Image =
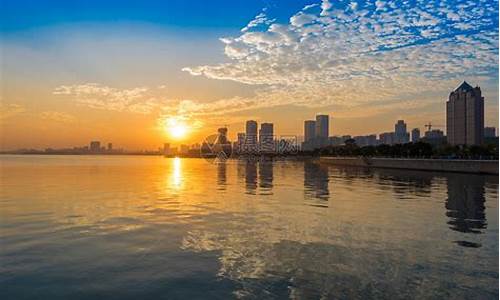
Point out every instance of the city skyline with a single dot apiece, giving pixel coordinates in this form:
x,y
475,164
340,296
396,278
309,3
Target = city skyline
x,y
142,76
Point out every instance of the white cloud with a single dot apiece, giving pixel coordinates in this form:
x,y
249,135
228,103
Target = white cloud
x,y
94,95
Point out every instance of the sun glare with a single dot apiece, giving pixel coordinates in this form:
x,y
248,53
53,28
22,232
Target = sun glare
x,y
176,128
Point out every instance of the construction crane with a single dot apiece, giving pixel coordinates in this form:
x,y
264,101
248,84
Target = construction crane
x,y
430,125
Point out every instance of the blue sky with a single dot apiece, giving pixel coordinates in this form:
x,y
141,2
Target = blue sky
x,y
207,63
199,14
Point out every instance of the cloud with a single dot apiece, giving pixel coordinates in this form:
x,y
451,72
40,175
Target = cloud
x,y
94,95
10,110
353,53
57,116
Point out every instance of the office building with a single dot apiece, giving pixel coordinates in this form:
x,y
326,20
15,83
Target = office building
x,y
266,137
322,126
251,132
415,135
309,130
110,147
401,136
465,116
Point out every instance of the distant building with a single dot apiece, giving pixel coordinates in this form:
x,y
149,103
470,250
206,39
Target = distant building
x,y
266,137
251,136
335,141
322,126
222,136
465,116
435,137
415,135
490,132
184,149
110,147
240,143
366,140
401,136
166,149
95,146
309,130
386,138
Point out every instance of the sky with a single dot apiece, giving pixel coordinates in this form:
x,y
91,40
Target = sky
x,y
127,71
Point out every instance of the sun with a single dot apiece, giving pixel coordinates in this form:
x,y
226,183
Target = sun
x,y
176,128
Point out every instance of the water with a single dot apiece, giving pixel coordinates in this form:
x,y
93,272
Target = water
x,y
131,227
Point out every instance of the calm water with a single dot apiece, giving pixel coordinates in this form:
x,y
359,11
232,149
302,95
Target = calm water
x,y
95,227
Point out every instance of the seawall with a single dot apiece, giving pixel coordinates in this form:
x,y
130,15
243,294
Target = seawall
x,y
440,165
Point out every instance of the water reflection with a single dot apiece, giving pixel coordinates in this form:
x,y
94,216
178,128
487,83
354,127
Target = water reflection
x,y
221,174
316,181
175,179
250,176
266,176
465,203
185,239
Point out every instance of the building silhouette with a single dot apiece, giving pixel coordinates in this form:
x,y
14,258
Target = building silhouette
x,y
465,116
415,135
309,130
251,144
322,126
266,137
95,146
401,136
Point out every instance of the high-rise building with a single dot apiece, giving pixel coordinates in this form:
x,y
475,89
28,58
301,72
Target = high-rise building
x,y
110,147
489,132
415,135
322,125
95,146
266,137
401,136
251,136
309,130
465,116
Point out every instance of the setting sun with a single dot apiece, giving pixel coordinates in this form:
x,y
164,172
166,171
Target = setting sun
x,y
175,128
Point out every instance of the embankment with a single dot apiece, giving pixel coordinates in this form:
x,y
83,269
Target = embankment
x,y
440,165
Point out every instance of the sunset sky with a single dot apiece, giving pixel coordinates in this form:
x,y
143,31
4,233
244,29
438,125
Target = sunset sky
x,y
124,71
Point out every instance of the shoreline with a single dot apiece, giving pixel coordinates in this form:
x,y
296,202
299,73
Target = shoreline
x,y
440,165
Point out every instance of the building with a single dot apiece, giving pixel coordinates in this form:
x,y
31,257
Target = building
x,y
309,130
251,142
336,141
95,146
366,140
415,135
465,116
401,136
184,149
322,126
266,137
110,147
166,149
240,142
387,138
222,136
490,132
435,137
